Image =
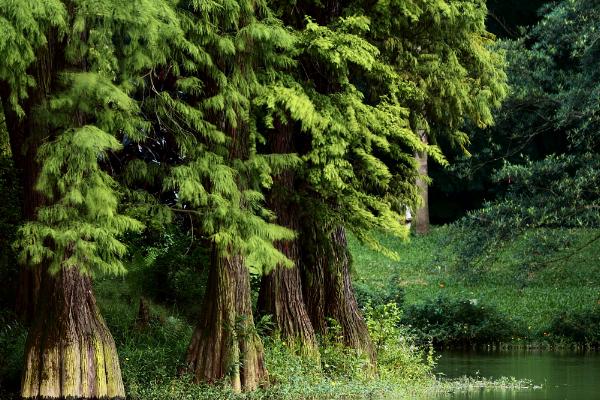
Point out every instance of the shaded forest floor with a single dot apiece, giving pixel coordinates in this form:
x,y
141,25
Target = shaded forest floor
x,y
547,296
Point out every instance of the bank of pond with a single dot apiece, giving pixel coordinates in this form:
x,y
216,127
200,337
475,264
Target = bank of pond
x,y
437,335
151,359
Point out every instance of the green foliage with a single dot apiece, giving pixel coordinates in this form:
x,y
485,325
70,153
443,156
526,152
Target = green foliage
x,y
371,78
580,327
542,158
355,146
171,270
339,361
151,358
530,280
399,356
212,78
203,109
442,51
12,345
80,105
367,293
24,30
82,227
459,322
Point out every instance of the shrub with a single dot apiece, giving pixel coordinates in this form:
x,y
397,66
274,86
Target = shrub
x,y
581,327
171,270
458,322
339,361
12,346
399,358
367,293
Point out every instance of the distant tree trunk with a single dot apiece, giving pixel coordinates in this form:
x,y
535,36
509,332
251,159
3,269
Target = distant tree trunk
x,y
142,320
421,217
328,289
281,290
225,344
70,352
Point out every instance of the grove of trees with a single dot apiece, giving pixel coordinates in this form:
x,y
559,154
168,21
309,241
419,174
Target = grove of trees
x,y
268,131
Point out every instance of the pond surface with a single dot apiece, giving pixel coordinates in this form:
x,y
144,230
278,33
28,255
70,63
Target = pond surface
x,y
563,376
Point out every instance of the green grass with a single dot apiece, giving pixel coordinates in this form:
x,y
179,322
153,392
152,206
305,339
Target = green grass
x,y
530,294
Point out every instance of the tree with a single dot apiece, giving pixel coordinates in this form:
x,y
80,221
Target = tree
x,y
202,107
281,289
554,96
66,74
348,100
352,149
442,51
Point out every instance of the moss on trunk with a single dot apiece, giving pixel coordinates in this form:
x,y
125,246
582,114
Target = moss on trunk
x,y
70,352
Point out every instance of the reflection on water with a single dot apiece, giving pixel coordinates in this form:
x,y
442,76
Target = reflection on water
x,y
563,376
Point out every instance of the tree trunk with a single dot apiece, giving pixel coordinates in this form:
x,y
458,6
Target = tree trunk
x,y
30,277
281,289
328,289
142,321
422,213
225,344
313,268
70,352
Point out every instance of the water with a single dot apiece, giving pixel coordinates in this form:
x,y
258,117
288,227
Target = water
x,y
563,376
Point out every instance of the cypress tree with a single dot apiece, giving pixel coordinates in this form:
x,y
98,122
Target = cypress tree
x,y
363,98
353,150
443,51
203,105
66,73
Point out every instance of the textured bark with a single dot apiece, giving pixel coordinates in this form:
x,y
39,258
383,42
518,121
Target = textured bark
x,y
70,352
328,289
281,290
422,213
313,268
225,344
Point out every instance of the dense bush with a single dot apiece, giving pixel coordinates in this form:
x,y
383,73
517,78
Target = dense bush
x,y
340,373
581,327
367,293
449,322
12,345
153,357
170,269
399,358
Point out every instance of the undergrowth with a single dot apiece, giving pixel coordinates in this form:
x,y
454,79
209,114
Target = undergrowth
x,y
152,358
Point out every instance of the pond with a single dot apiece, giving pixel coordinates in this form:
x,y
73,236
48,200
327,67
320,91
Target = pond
x,y
562,375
